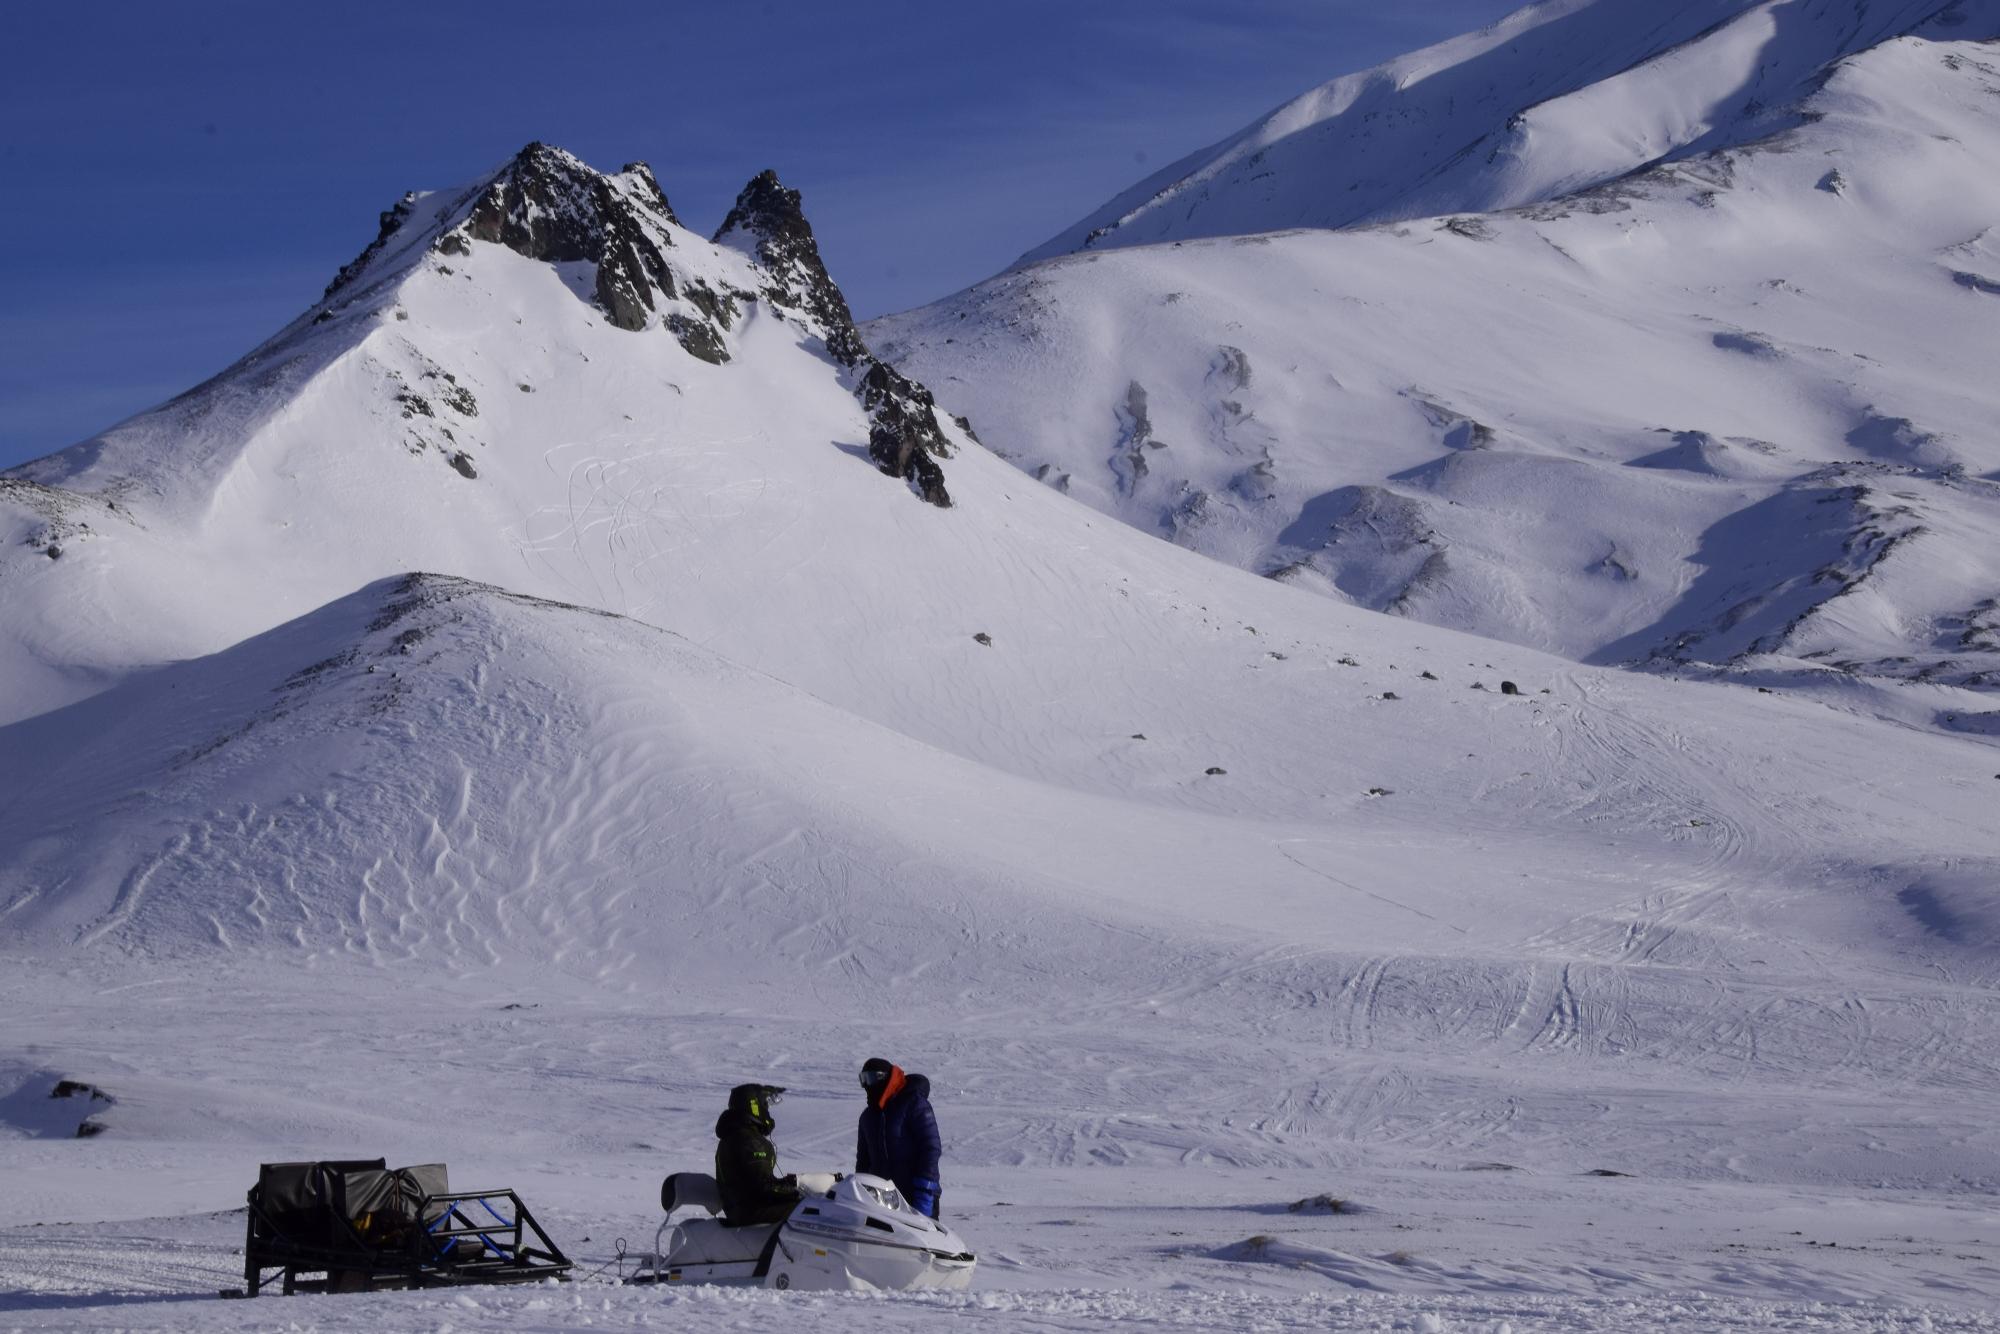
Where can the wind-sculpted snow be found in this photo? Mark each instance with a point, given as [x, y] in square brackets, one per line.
[1595, 998]
[1710, 414]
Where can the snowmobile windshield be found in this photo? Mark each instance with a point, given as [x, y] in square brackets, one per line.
[888, 1198]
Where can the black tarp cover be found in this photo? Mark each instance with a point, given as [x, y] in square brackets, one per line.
[326, 1203]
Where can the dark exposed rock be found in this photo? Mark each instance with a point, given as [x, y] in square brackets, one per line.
[904, 438]
[76, 1088]
[463, 462]
[1472, 229]
[983, 638]
[459, 399]
[1318, 1204]
[1390, 694]
[903, 435]
[1509, 688]
[1428, 676]
[392, 221]
[54, 551]
[700, 339]
[1128, 458]
[1215, 772]
[720, 308]
[768, 217]
[73, 1088]
[548, 205]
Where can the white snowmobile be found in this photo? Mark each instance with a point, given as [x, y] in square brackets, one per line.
[853, 1232]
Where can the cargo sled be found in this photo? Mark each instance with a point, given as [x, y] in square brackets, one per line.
[361, 1226]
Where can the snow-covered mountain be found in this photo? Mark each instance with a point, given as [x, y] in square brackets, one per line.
[1559, 97]
[531, 694]
[523, 380]
[1725, 403]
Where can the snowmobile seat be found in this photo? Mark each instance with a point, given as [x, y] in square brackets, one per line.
[710, 1241]
[691, 1190]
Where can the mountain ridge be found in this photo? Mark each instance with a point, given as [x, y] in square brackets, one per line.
[1585, 93]
[446, 367]
[1589, 424]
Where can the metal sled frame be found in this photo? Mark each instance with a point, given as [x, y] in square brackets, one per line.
[457, 1238]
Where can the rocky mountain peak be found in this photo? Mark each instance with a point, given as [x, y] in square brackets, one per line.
[904, 437]
[547, 204]
[768, 222]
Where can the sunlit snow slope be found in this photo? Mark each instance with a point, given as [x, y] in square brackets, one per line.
[1735, 408]
[474, 396]
[1559, 96]
[514, 705]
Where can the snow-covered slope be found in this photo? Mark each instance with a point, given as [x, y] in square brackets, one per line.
[1558, 97]
[528, 380]
[570, 875]
[705, 751]
[1732, 409]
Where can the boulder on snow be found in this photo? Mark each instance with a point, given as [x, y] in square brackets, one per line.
[1319, 1204]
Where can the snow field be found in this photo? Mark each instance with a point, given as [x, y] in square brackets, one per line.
[1718, 412]
[704, 752]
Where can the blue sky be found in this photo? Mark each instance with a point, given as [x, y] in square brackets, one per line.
[183, 178]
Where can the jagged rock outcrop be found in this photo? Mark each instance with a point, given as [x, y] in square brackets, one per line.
[768, 222]
[392, 221]
[904, 437]
[548, 205]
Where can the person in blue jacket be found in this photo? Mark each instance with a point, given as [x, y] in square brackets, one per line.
[899, 1135]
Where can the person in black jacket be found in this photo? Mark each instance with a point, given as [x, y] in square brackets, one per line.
[898, 1136]
[746, 1165]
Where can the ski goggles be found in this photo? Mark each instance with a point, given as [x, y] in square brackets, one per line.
[874, 1078]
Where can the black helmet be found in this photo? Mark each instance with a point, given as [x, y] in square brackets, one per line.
[875, 1076]
[754, 1101]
